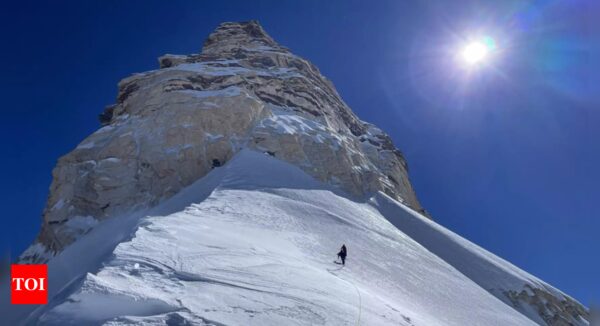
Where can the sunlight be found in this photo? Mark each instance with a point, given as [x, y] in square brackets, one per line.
[476, 52]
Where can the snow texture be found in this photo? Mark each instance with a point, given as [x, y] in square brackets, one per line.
[253, 243]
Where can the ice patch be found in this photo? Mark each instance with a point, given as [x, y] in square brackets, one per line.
[111, 160]
[86, 145]
[212, 137]
[213, 69]
[230, 91]
[288, 123]
[59, 204]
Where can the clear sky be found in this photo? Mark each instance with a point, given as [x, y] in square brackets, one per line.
[505, 153]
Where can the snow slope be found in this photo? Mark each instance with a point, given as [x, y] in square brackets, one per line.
[253, 244]
[486, 269]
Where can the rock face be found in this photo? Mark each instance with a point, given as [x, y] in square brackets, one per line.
[171, 126]
[555, 310]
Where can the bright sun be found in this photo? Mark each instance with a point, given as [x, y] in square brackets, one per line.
[475, 52]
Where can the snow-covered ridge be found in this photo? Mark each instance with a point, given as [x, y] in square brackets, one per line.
[252, 243]
[524, 292]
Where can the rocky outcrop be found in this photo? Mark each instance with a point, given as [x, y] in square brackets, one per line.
[171, 126]
[554, 309]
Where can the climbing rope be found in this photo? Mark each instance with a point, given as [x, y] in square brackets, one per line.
[355, 288]
[359, 301]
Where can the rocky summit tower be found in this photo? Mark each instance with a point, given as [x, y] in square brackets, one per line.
[171, 126]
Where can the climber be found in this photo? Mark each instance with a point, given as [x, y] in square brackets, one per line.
[342, 254]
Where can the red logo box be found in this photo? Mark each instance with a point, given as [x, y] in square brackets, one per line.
[29, 284]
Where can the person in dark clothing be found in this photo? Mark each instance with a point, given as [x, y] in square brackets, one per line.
[342, 254]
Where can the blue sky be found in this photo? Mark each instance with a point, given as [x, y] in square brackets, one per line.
[505, 154]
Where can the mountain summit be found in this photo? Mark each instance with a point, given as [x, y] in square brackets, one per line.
[171, 126]
[217, 192]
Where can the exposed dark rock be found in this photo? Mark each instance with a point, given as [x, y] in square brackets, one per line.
[106, 116]
[126, 91]
[554, 311]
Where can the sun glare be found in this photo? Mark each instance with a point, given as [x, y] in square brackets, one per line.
[476, 52]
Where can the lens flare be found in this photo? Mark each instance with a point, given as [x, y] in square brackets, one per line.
[489, 42]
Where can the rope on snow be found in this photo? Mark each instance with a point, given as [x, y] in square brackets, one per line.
[355, 288]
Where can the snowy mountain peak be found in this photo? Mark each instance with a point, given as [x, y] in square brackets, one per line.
[171, 126]
[217, 192]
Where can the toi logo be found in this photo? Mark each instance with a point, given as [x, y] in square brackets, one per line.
[29, 284]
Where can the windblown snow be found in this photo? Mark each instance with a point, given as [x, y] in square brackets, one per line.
[253, 243]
